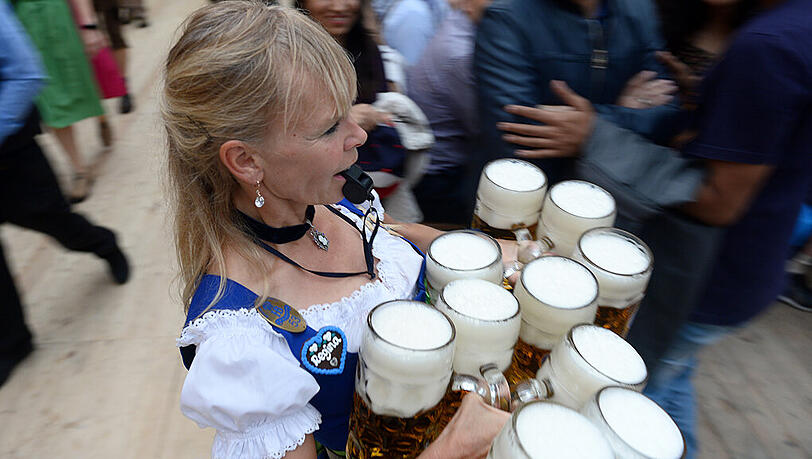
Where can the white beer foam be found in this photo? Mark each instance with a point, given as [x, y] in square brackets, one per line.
[487, 322]
[480, 299]
[548, 430]
[609, 354]
[559, 282]
[398, 381]
[641, 423]
[412, 325]
[614, 252]
[463, 251]
[515, 175]
[582, 199]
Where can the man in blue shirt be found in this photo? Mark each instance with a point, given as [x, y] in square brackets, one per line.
[29, 193]
[755, 138]
[408, 25]
[595, 46]
[20, 74]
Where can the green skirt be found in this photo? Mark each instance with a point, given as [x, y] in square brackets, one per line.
[70, 94]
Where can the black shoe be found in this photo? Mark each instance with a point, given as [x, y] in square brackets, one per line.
[119, 266]
[7, 364]
[125, 104]
[797, 294]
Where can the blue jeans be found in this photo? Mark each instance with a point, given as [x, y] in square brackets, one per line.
[670, 382]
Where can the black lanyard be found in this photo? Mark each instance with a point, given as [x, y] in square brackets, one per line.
[368, 257]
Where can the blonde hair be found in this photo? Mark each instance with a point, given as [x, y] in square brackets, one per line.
[236, 67]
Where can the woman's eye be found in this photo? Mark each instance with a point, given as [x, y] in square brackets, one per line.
[333, 129]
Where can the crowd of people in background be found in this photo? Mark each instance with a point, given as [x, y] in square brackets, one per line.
[720, 85]
[58, 60]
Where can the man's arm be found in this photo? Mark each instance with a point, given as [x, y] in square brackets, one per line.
[656, 123]
[727, 192]
[753, 108]
[20, 73]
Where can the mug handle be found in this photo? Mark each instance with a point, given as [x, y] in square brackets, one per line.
[492, 386]
[530, 390]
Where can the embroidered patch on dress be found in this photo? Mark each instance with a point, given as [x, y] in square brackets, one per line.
[281, 315]
[326, 352]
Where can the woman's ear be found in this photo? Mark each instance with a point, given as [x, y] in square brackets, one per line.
[241, 161]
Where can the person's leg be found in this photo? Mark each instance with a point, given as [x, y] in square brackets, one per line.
[15, 337]
[68, 143]
[109, 12]
[670, 381]
[81, 180]
[40, 206]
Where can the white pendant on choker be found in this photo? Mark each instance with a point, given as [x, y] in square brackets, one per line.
[319, 238]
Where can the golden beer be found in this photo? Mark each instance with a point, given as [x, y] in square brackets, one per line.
[404, 372]
[373, 435]
[527, 360]
[555, 293]
[617, 320]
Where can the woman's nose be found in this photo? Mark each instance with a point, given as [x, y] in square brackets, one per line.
[357, 137]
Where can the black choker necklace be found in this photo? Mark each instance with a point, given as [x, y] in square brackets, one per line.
[287, 233]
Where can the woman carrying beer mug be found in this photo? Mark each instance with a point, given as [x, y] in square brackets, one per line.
[277, 279]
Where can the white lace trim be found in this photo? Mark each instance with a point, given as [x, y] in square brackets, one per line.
[245, 321]
[268, 441]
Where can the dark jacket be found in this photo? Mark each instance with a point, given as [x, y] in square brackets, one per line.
[523, 44]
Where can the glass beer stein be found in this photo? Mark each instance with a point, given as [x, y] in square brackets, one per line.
[635, 426]
[571, 208]
[548, 430]
[486, 318]
[509, 197]
[403, 382]
[622, 263]
[462, 254]
[555, 293]
[587, 359]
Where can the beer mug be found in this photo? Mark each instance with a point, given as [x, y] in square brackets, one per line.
[486, 319]
[622, 263]
[402, 381]
[509, 197]
[462, 254]
[635, 426]
[571, 208]
[549, 430]
[586, 360]
[555, 293]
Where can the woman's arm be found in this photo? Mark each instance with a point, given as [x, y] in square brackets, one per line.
[307, 450]
[422, 235]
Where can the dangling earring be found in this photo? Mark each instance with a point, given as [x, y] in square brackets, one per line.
[259, 201]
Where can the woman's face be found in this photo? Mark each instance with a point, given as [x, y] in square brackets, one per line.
[303, 165]
[336, 16]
